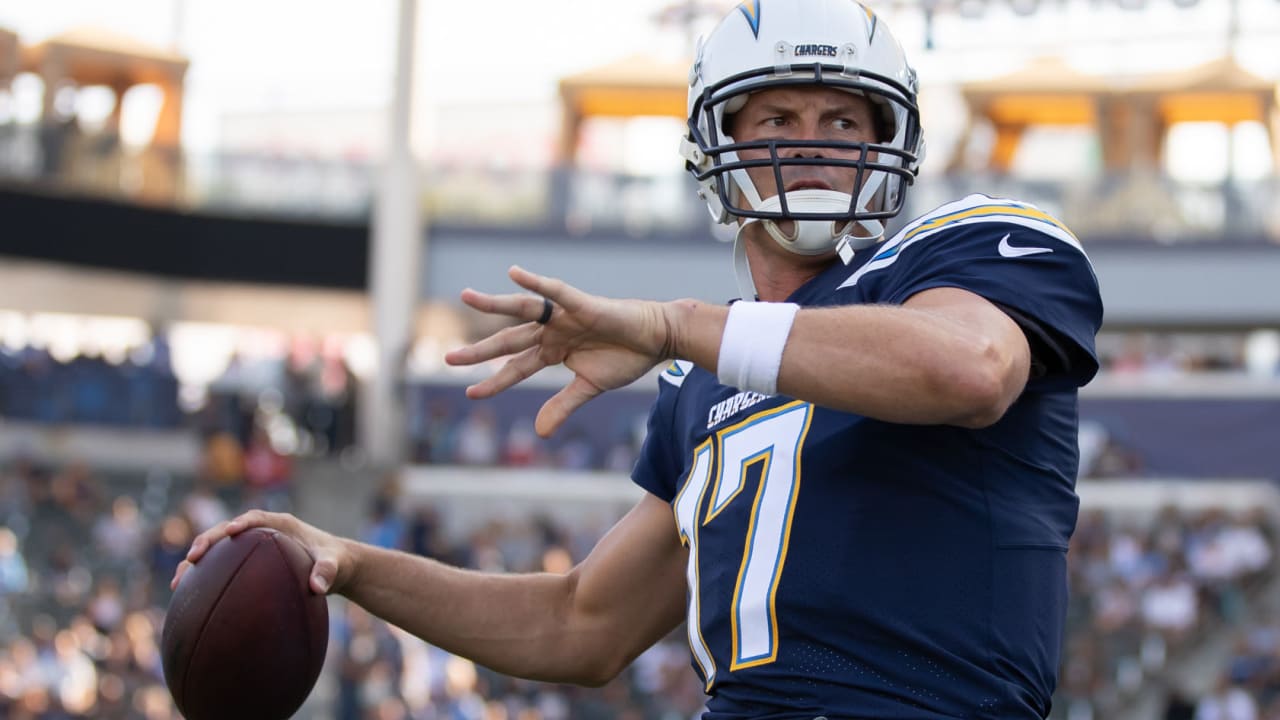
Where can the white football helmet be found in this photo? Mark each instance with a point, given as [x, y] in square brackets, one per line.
[831, 43]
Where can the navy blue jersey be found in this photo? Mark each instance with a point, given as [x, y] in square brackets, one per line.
[854, 568]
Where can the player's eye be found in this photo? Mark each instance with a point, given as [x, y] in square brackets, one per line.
[845, 124]
[774, 121]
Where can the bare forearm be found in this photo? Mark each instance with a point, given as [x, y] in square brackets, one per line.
[515, 624]
[891, 363]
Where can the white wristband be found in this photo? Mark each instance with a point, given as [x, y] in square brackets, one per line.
[751, 346]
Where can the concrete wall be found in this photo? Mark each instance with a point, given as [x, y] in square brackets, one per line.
[1142, 285]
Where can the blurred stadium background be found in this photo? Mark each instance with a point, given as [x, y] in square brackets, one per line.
[233, 236]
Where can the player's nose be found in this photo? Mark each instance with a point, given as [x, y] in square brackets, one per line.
[802, 151]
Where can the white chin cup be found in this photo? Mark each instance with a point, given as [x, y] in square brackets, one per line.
[810, 237]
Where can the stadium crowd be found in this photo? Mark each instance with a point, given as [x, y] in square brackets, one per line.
[1250, 683]
[141, 388]
[313, 394]
[1145, 589]
[84, 564]
[138, 392]
[85, 558]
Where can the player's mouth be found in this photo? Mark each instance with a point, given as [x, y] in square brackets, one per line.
[807, 184]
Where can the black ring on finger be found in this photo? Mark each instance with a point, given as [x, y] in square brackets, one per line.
[546, 311]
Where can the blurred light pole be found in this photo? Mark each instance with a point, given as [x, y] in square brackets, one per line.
[397, 236]
[178, 25]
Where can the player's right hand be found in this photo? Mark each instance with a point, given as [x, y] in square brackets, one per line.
[334, 561]
[606, 342]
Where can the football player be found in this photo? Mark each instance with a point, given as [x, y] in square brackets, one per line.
[870, 458]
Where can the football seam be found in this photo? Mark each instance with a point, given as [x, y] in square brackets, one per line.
[302, 610]
[195, 649]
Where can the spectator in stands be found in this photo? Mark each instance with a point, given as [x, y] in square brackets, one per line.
[461, 696]
[268, 473]
[424, 534]
[1251, 664]
[477, 438]
[576, 451]
[13, 566]
[92, 390]
[1179, 706]
[384, 528]
[484, 552]
[151, 387]
[31, 395]
[107, 607]
[1114, 607]
[1227, 702]
[1104, 455]
[522, 447]
[15, 495]
[203, 508]
[367, 649]
[621, 455]
[434, 434]
[1130, 559]
[1247, 548]
[1171, 605]
[77, 492]
[341, 388]
[120, 535]
[223, 460]
[68, 575]
[169, 546]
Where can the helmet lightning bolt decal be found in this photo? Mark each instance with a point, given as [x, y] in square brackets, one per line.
[751, 11]
[871, 16]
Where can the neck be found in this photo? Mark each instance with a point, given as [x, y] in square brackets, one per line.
[776, 271]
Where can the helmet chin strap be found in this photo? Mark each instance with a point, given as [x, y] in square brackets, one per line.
[845, 248]
[872, 233]
[742, 268]
[815, 237]
[808, 237]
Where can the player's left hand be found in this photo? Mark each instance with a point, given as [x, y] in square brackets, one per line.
[607, 343]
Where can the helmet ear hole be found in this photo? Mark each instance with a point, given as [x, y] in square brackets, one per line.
[732, 107]
[726, 124]
[884, 121]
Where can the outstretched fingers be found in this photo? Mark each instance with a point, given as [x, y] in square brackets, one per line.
[558, 291]
[507, 341]
[563, 404]
[513, 371]
[517, 305]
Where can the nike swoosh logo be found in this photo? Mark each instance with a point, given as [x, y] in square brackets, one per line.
[1010, 251]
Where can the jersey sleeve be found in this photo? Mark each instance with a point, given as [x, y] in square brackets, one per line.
[1023, 261]
[658, 467]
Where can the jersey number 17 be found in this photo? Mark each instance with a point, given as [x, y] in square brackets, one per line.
[772, 439]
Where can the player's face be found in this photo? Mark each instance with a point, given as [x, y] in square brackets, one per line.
[803, 113]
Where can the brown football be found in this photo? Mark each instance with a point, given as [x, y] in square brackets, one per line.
[245, 636]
